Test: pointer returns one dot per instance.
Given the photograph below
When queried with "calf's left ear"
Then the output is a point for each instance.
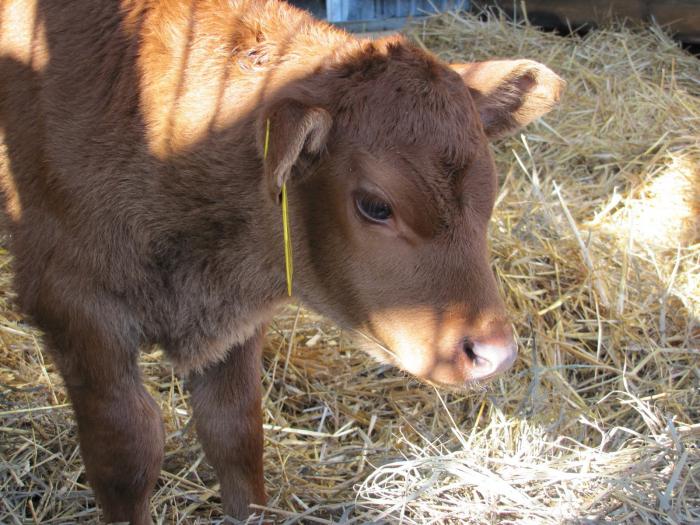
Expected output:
(510, 93)
(291, 130)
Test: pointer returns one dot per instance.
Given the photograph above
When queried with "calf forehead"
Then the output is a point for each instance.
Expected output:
(391, 93)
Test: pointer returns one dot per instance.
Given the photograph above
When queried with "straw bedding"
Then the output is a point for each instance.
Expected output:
(595, 243)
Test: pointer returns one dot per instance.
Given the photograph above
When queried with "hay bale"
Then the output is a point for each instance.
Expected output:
(595, 241)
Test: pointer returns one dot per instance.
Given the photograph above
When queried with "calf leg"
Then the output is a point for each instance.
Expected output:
(121, 442)
(226, 403)
(119, 424)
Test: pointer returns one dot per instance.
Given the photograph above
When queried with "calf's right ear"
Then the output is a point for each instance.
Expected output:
(510, 94)
(295, 129)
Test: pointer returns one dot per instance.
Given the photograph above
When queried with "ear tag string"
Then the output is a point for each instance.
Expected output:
(288, 267)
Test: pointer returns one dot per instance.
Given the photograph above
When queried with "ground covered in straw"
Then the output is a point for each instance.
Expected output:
(595, 243)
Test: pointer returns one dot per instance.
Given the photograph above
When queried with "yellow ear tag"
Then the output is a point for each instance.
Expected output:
(285, 221)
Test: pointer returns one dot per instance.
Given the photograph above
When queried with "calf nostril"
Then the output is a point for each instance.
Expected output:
(493, 357)
(468, 347)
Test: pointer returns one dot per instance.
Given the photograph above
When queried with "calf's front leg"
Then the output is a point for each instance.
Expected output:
(226, 402)
(119, 424)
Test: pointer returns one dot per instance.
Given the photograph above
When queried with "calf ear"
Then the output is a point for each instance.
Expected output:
(294, 129)
(510, 93)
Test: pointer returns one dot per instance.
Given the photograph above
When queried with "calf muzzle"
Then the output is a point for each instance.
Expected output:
(490, 357)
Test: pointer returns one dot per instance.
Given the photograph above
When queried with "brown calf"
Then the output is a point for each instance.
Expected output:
(142, 211)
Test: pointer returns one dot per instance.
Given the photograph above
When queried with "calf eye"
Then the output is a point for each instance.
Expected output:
(373, 208)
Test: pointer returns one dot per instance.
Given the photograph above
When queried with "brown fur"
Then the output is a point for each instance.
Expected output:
(142, 212)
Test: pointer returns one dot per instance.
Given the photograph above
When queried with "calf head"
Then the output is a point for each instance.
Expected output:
(391, 185)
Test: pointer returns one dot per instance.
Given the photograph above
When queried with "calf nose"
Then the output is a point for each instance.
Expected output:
(490, 357)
